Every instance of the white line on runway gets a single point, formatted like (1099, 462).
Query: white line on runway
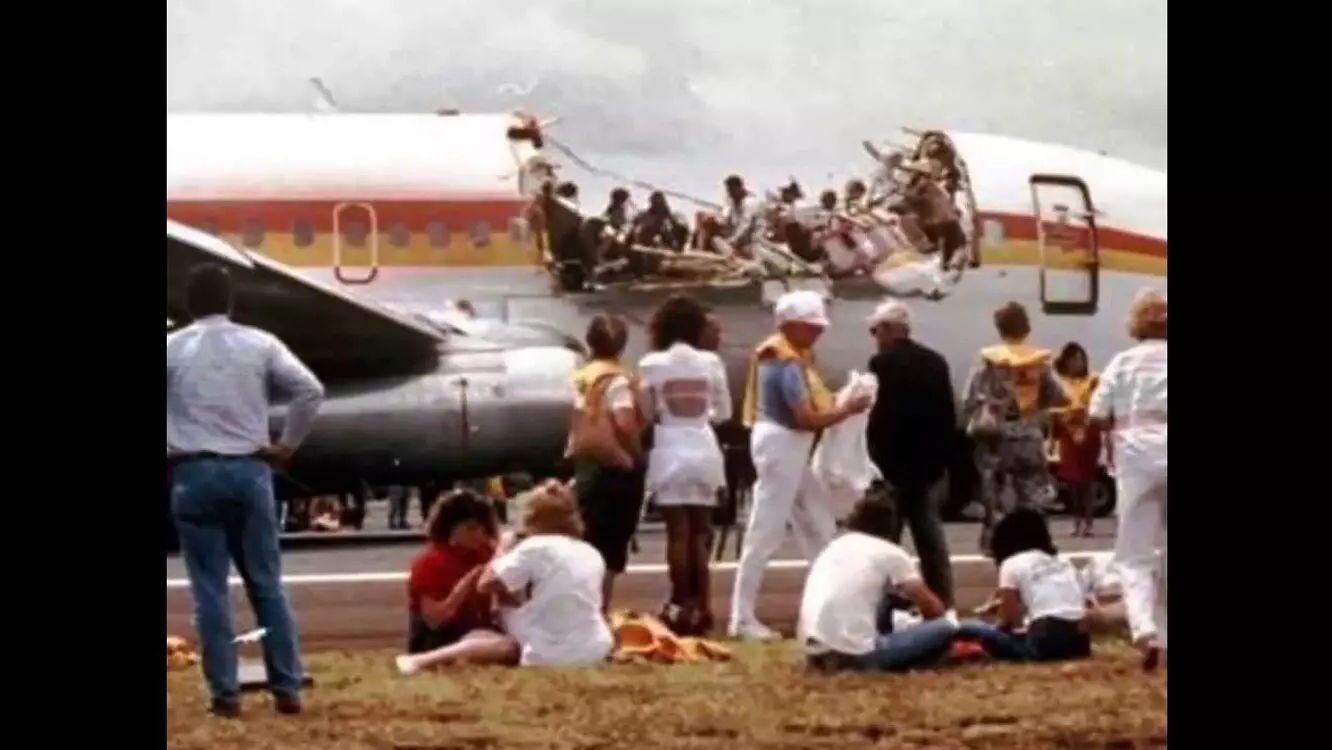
(395, 576)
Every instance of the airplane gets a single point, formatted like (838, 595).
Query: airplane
(414, 209)
(411, 397)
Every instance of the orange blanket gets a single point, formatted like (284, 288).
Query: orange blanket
(641, 638)
(179, 655)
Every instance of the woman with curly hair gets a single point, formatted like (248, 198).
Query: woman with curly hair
(684, 387)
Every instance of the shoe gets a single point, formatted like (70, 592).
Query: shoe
(753, 631)
(287, 705)
(406, 665)
(225, 708)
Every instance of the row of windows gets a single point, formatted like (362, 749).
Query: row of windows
(357, 233)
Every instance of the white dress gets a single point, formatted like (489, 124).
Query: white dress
(686, 392)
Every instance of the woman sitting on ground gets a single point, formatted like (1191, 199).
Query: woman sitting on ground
(846, 600)
(449, 620)
(1039, 587)
(549, 584)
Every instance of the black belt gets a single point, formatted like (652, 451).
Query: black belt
(176, 459)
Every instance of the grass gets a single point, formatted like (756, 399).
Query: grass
(762, 700)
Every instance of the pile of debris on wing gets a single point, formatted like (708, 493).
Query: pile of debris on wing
(908, 212)
(179, 654)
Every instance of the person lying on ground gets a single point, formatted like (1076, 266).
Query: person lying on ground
(449, 620)
(549, 584)
(848, 584)
(1038, 587)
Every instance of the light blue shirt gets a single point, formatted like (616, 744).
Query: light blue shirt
(781, 385)
(219, 375)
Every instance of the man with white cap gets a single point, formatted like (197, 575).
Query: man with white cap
(912, 435)
(786, 405)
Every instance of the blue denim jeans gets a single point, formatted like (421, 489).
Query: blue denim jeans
(1046, 639)
(225, 512)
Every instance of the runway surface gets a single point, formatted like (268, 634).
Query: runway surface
(356, 598)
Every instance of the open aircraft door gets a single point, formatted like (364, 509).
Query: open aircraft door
(355, 243)
(1068, 244)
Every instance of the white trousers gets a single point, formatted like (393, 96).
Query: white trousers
(786, 492)
(1142, 530)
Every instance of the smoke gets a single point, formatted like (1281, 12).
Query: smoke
(689, 90)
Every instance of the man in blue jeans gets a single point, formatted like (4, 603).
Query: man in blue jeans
(845, 622)
(221, 480)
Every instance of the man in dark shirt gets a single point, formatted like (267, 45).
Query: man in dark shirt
(911, 435)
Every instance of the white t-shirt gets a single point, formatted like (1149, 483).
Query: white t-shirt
(846, 583)
(561, 623)
(1049, 585)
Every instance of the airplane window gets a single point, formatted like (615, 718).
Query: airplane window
(994, 232)
(252, 232)
(518, 229)
(399, 234)
(438, 233)
(303, 232)
(355, 233)
(481, 234)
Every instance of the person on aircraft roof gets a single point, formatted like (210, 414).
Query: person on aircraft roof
(619, 210)
(658, 226)
(740, 217)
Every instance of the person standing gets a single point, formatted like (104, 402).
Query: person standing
(786, 405)
(1078, 441)
(1130, 402)
(686, 393)
(220, 460)
(912, 433)
(610, 497)
(1006, 402)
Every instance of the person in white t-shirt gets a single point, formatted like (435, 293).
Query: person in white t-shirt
(550, 585)
(842, 622)
(1038, 587)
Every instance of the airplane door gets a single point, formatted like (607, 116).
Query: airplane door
(1068, 244)
(355, 243)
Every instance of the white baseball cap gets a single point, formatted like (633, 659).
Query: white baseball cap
(802, 306)
(891, 311)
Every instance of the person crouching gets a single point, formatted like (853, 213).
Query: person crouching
(786, 404)
(846, 599)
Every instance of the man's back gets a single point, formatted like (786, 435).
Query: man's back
(912, 426)
(218, 378)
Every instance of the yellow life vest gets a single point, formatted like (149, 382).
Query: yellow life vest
(1027, 365)
(777, 347)
(590, 373)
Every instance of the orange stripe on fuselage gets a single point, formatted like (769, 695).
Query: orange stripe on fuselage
(1023, 227)
(280, 216)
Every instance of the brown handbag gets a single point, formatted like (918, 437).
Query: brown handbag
(593, 435)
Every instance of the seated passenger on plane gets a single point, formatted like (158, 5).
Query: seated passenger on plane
(550, 583)
(740, 218)
(449, 620)
(618, 211)
(568, 191)
(658, 226)
(856, 197)
(1042, 598)
(845, 612)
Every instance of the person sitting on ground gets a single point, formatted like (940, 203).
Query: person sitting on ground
(449, 621)
(1039, 587)
(847, 595)
(549, 584)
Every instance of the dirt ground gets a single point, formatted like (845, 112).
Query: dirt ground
(763, 699)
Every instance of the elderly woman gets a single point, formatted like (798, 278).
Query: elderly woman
(1130, 403)
(685, 390)
(1005, 404)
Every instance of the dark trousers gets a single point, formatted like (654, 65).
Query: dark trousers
(225, 513)
(917, 509)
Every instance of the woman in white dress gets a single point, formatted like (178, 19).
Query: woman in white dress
(684, 388)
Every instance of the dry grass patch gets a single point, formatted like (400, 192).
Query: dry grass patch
(762, 700)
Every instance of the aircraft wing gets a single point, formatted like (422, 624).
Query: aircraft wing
(336, 334)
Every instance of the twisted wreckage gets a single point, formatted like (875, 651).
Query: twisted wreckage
(908, 229)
